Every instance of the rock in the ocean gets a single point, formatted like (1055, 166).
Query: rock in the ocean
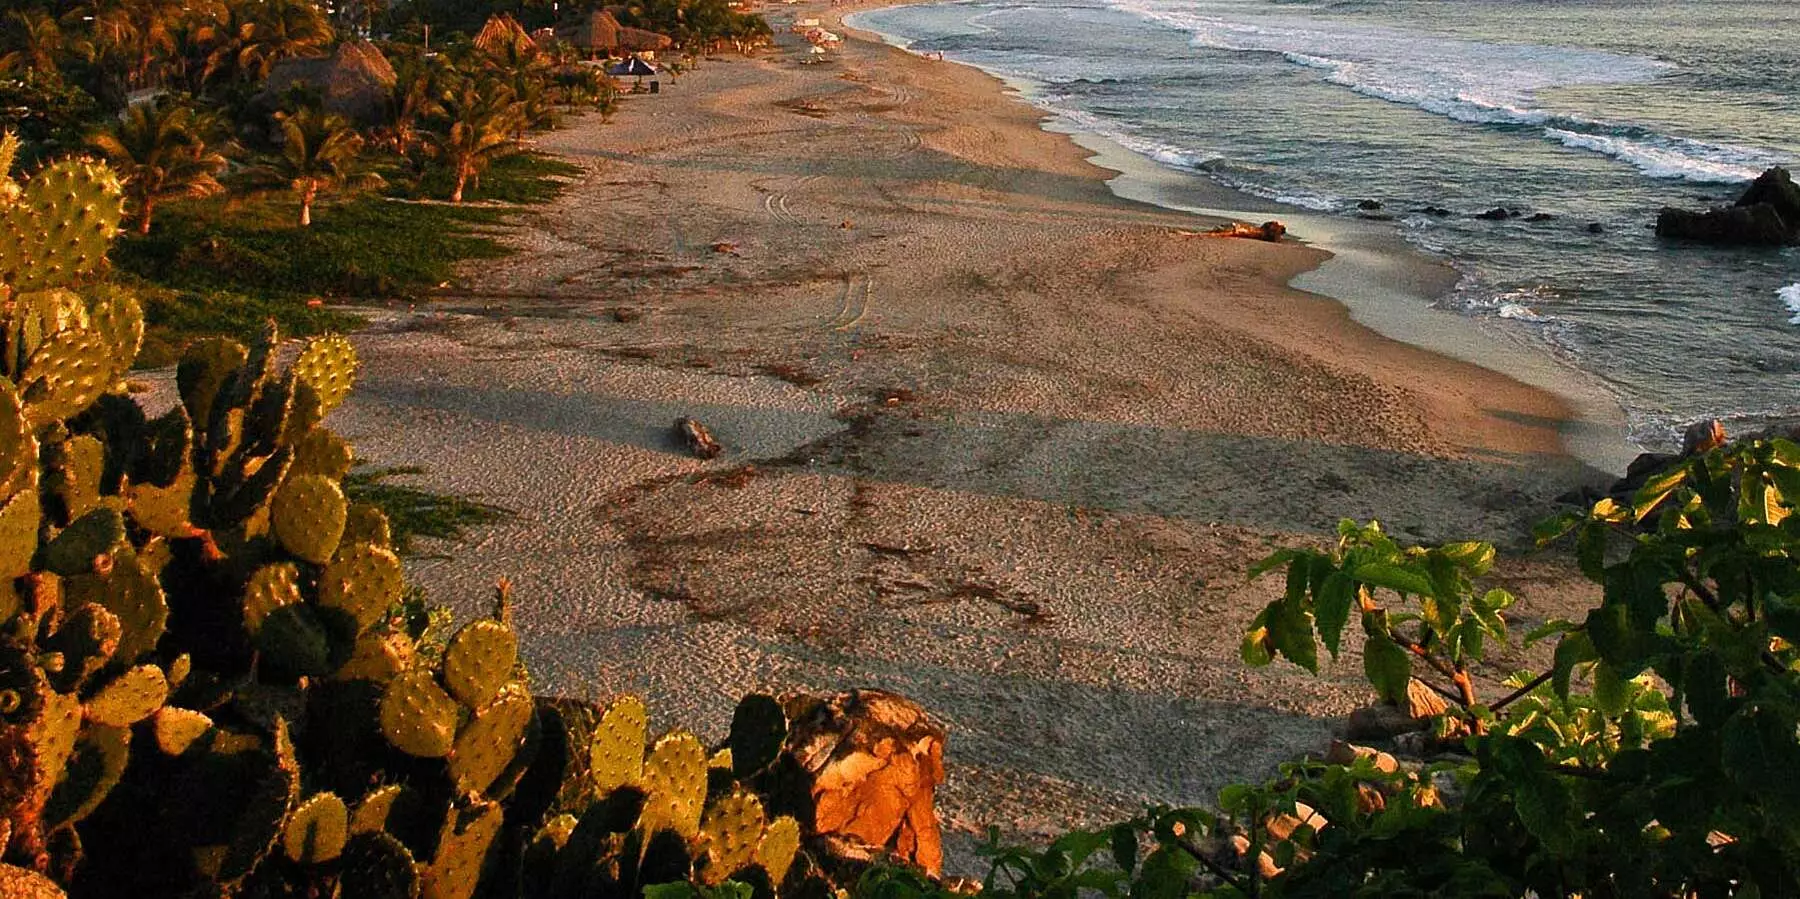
(1369, 205)
(1496, 214)
(1758, 225)
(1540, 217)
(875, 760)
(1596, 228)
(1768, 214)
(1776, 188)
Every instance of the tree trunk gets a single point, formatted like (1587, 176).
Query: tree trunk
(144, 212)
(462, 178)
(307, 194)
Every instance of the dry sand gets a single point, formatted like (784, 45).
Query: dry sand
(996, 439)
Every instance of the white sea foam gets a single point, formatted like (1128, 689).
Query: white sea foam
(1468, 81)
(1672, 158)
(1791, 296)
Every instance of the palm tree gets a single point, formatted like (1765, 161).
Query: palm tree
(317, 151)
(481, 116)
(278, 30)
(415, 97)
(160, 150)
(33, 41)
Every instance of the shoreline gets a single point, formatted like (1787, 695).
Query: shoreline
(997, 439)
(1384, 283)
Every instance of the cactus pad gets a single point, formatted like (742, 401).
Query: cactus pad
(270, 588)
(75, 550)
(19, 520)
(294, 640)
(65, 375)
(87, 640)
(204, 370)
(177, 730)
(377, 657)
(675, 779)
(730, 833)
(780, 843)
(74, 474)
(377, 866)
(166, 511)
(479, 661)
(490, 743)
(367, 524)
(758, 730)
(129, 698)
(58, 229)
(617, 748)
(317, 830)
(363, 581)
(52, 735)
(24, 883)
(18, 448)
(327, 365)
(95, 768)
(417, 716)
(372, 812)
(135, 596)
(307, 517)
(324, 453)
(462, 852)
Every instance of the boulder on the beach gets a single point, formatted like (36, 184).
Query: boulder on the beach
(875, 760)
(1271, 231)
(1768, 214)
(696, 438)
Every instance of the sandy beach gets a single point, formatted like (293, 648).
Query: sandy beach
(995, 438)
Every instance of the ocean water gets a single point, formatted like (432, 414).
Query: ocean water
(1588, 115)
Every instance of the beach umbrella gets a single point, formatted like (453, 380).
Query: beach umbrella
(633, 68)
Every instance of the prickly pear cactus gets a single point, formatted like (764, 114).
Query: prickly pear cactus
(196, 623)
(675, 784)
(617, 749)
(730, 833)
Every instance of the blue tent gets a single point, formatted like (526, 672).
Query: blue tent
(631, 68)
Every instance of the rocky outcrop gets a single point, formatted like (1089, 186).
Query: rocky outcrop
(875, 760)
(1768, 214)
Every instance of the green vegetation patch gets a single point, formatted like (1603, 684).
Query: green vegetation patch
(525, 178)
(413, 513)
(226, 265)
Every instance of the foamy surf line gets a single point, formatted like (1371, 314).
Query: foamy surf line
(1791, 296)
(1470, 81)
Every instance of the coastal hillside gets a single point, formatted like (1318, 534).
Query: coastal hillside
(683, 450)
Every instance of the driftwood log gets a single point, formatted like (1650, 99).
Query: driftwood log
(696, 438)
(1270, 231)
(875, 760)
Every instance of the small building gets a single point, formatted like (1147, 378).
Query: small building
(599, 33)
(354, 81)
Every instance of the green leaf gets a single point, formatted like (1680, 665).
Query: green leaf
(1612, 693)
(1388, 666)
(1275, 560)
(1291, 631)
(1400, 579)
(1256, 649)
(1549, 628)
(1331, 608)
(1655, 490)
(1125, 847)
(1475, 557)
(1574, 649)
(1552, 529)
(1590, 550)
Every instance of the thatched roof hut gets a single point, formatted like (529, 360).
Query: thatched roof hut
(354, 81)
(503, 35)
(600, 32)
